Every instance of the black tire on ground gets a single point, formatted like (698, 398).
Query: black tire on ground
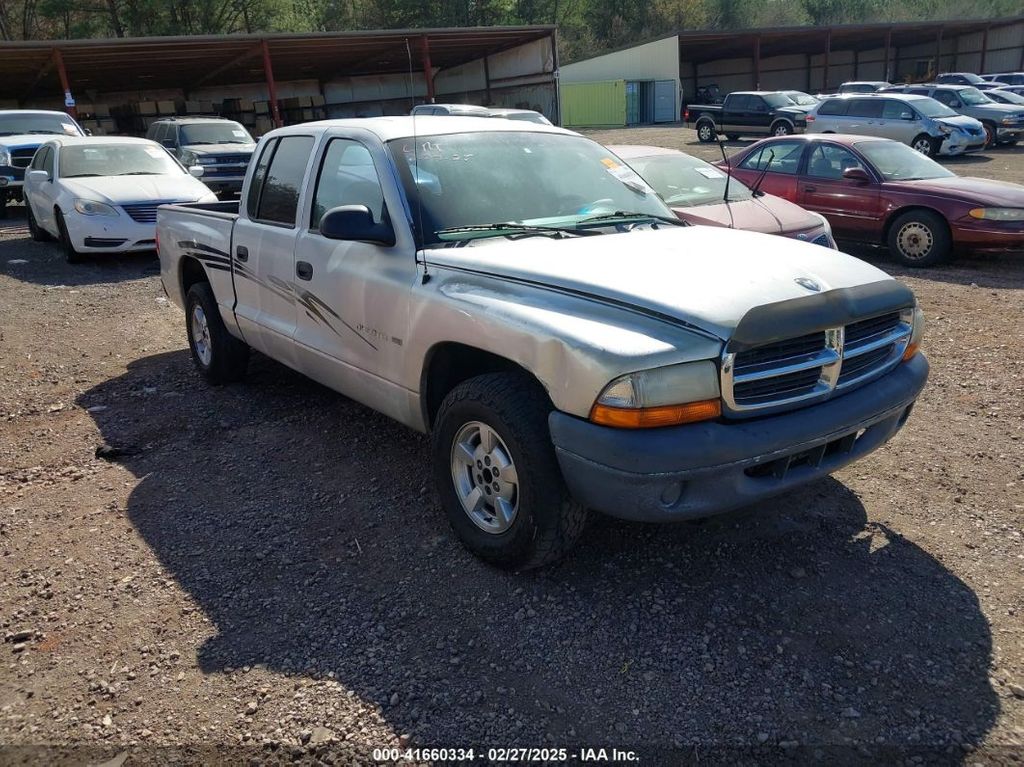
(706, 131)
(218, 356)
(70, 254)
(925, 144)
(547, 520)
(733, 136)
(920, 238)
(781, 128)
(991, 137)
(38, 233)
(3, 205)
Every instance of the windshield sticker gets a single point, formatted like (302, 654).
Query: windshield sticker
(629, 177)
(609, 163)
(238, 133)
(71, 130)
(710, 173)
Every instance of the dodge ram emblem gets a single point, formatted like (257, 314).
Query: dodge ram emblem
(807, 282)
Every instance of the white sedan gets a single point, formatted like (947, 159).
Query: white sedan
(100, 194)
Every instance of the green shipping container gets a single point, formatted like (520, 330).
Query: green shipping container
(594, 105)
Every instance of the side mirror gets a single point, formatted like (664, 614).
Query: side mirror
(196, 170)
(87, 131)
(856, 173)
(355, 222)
(37, 175)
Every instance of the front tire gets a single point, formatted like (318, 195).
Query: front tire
(71, 255)
(991, 137)
(706, 132)
(218, 356)
(920, 238)
(497, 474)
(782, 128)
(925, 144)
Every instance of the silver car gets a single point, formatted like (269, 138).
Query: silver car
(1003, 123)
(918, 121)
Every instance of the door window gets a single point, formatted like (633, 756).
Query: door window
(865, 108)
(828, 161)
(40, 156)
(739, 103)
(757, 104)
(834, 107)
(945, 97)
(896, 110)
(48, 162)
(347, 177)
(786, 157)
(259, 175)
(279, 198)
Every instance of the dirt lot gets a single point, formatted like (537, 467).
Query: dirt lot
(265, 565)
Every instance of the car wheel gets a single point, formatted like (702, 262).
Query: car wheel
(70, 254)
(920, 238)
(924, 144)
(991, 138)
(497, 475)
(218, 356)
(782, 129)
(733, 136)
(705, 131)
(37, 232)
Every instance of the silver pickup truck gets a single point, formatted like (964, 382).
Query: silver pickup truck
(516, 291)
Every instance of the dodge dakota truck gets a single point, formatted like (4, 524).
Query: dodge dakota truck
(520, 294)
(748, 113)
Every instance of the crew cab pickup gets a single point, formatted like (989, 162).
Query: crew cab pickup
(748, 113)
(517, 292)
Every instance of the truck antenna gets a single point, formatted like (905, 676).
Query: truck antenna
(728, 169)
(416, 164)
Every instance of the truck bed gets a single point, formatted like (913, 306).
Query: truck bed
(200, 232)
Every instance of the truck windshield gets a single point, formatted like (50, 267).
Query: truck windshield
(682, 180)
(800, 98)
(116, 160)
(898, 162)
(15, 123)
(530, 178)
(972, 97)
(214, 133)
(777, 100)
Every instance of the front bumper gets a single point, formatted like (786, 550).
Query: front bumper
(109, 234)
(1009, 133)
(11, 178)
(960, 143)
(979, 236)
(700, 469)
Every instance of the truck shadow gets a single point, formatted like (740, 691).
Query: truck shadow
(302, 525)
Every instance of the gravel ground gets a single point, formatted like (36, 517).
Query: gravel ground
(264, 565)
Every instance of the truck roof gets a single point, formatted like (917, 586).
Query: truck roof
(96, 140)
(408, 126)
(33, 112)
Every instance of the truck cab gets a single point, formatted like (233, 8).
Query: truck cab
(22, 132)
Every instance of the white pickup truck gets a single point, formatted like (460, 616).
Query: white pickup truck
(519, 293)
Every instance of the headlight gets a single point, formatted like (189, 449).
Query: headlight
(188, 158)
(998, 214)
(915, 318)
(666, 396)
(5, 156)
(93, 208)
(945, 130)
(206, 160)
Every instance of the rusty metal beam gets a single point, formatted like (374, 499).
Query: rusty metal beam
(428, 69)
(58, 61)
(757, 62)
(268, 72)
(984, 48)
(43, 72)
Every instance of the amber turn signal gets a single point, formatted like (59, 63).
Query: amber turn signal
(652, 417)
(912, 349)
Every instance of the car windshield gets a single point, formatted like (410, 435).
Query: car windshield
(932, 108)
(683, 181)
(776, 100)
(801, 99)
(971, 78)
(13, 124)
(857, 88)
(898, 162)
(116, 160)
(1009, 97)
(496, 177)
(531, 117)
(214, 133)
(973, 97)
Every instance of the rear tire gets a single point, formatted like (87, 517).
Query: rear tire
(782, 128)
(38, 233)
(71, 255)
(218, 356)
(706, 132)
(523, 516)
(920, 238)
(924, 144)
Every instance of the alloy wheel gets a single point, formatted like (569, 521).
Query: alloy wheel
(485, 477)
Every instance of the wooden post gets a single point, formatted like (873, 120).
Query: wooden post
(268, 72)
(888, 50)
(58, 60)
(757, 63)
(428, 69)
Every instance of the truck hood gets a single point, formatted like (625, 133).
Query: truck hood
(703, 276)
(25, 140)
(202, 150)
(982, 191)
(117, 190)
(996, 110)
(768, 214)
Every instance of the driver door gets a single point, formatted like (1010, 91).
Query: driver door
(851, 207)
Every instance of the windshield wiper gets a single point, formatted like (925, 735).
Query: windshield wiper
(138, 173)
(511, 226)
(82, 175)
(45, 132)
(627, 214)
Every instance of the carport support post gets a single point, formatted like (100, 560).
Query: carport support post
(938, 52)
(268, 72)
(428, 69)
(888, 52)
(828, 50)
(58, 60)
(757, 63)
(984, 48)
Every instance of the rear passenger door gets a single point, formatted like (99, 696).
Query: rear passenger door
(733, 113)
(863, 116)
(850, 206)
(263, 247)
(782, 161)
(899, 121)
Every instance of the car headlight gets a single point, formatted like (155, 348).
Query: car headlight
(945, 130)
(998, 214)
(915, 318)
(94, 208)
(5, 156)
(188, 158)
(665, 396)
(206, 160)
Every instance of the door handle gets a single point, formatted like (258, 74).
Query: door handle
(810, 189)
(242, 253)
(304, 270)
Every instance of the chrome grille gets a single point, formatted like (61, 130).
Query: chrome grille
(812, 366)
(145, 212)
(22, 158)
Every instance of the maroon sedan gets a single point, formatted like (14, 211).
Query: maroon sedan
(882, 192)
(696, 192)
